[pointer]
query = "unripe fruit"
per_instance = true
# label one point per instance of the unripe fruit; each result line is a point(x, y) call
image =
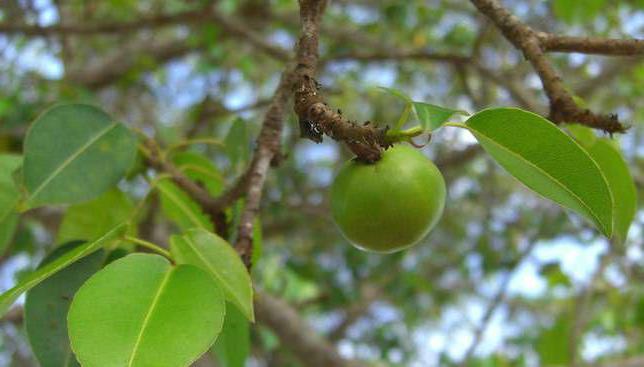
point(388, 205)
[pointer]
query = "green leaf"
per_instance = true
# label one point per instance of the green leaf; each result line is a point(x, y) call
point(200, 169)
point(577, 11)
point(621, 184)
point(397, 93)
point(36, 277)
point(549, 346)
point(47, 304)
point(236, 143)
point(233, 345)
point(9, 197)
point(546, 160)
point(87, 221)
point(74, 153)
point(213, 254)
point(142, 311)
point(180, 208)
point(431, 116)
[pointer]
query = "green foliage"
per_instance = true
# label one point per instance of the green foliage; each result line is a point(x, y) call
point(236, 143)
point(87, 221)
point(577, 11)
point(432, 117)
point(180, 208)
point(552, 345)
point(142, 311)
point(74, 153)
point(546, 160)
point(61, 262)
point(216, 256)
point(233, 345)
point(9, 197)
point(47, 304)
point(201, 170)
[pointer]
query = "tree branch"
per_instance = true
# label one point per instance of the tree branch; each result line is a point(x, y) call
point(562, 106)
point(298, 336)
point(591, 45)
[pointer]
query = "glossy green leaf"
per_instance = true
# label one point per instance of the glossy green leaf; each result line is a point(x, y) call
point(213, 254)
point(74, 153)
point(180, 208)
point(431, 116)
point(87, 221)
point(621, 184)
point(236, 143)
point(233, 345)
point(546, 160)
point(36, 277)
point(397, 93)
point(200, 169)
point(47, 304)
point(142, 311)
point(9, 197)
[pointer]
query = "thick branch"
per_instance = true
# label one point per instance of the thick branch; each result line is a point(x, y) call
point(298, 336)
point(562, 106)
point(268, 147)
point(316, 117)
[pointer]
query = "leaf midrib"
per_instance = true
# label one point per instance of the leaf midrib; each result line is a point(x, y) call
point(559, 183)
point(72, 157)
point(148, 315)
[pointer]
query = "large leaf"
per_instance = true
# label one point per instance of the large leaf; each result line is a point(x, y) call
point(180, 208)
point(233, 345)
point(213, 254)
point(9, 197)
point(47, 304)
point(34, 278)
point(546, 160)
point(200, 169)
point(621, 184)
point(142, 311)
point(89, 220)
point(74, 153)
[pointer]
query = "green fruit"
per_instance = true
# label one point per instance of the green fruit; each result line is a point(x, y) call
point(388, 205)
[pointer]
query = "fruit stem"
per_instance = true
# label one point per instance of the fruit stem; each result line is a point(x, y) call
point(394, 136)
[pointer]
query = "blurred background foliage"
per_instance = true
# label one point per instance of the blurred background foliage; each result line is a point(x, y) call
point(506, 279)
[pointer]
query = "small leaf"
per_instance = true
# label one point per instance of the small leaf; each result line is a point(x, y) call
point(549, 346)
point(47, 304)
point(546, 160)
point(89, 220)
point(34, 278)
point(200, 169)
point(236, 143)
point(74, 153)
point(180, 208)
point(141, 311)
point(9, 197)
point(213, 254)
point(233, 345)
point(397, 93)
point(431, 116)
point(621, 184)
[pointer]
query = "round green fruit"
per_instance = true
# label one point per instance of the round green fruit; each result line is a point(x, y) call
point(388, 205)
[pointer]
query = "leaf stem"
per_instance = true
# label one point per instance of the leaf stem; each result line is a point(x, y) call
point(404, 116)
point(148, 245)
point(185, 143)
point(456, 124)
